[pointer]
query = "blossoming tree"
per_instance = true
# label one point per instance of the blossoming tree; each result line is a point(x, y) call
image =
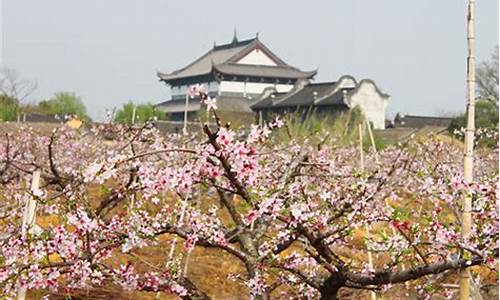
point(294, 215)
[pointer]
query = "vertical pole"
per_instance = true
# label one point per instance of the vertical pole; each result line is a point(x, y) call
point(112, 120)
point(374, 147)
point(361, 154)
point(208, 116)
point(372, 140)
point(261, 121)
point(469, 144)
point(29, 220)
point(134, 109)
point(373, 296)
point(184, 130)
point(181, 218)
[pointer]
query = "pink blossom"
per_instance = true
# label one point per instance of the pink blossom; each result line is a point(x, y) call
point(211, 103)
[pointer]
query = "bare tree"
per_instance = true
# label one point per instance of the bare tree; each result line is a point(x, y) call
point(15, 87)
point(487, 78)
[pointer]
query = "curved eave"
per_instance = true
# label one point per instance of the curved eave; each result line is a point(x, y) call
point(369, 81)
point(168, 78)
point(300, 75)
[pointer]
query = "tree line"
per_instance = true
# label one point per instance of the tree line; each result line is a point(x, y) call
point(15, 91)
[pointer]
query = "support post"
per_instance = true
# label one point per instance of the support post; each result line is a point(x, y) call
point(373, 296)
point(29, 220)
point(361, 153)
point(184, 129)
point(184, 205)
point(468, 144)
point(372, 140)
point(134, 109)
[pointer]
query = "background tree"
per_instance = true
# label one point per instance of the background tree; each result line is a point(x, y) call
point(15, 87)
point(8, 108)
point(486, 119)
point(486, 116)
point(13, 91)
point(63, 103)
point(143, 112)
point(487, 78)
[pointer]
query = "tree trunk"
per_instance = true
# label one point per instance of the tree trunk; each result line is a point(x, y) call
point(330, 288)
point(329, 293)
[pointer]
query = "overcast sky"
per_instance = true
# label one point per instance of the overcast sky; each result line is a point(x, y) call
point(108, 51)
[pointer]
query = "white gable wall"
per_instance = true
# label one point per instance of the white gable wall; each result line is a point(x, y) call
point(371, 103)
point(346, 82)
point(257, 57)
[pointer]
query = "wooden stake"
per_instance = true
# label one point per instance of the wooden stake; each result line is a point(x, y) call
point(469, 144)
point(361, 153)
point(372, 140)
point(29, 219)
point(181, 218)
point(373, 296)
point(134, 109)
point(184, 130)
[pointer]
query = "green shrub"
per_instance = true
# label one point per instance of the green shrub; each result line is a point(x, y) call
point(341, 129)
point(486, 118)
point(143, 112)
point(8, 109)
point(62, 103)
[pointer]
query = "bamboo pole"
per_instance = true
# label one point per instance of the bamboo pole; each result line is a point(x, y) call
point(374, 147)
point(372, 140)
point(134, 109)
point(184, 129)
point(29, 220)
point(373, 296)
point(361, 153)
point(181, 219)
point(469, 144)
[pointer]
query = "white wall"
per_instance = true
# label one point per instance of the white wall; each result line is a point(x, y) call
point(257, 57)
point(283, 88)
point(346, 82)
point(232, 86)
point(251, 87)
point(212, 86)
point(371, 103)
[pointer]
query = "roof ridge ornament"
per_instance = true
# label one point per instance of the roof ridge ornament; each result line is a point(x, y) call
point(235, 37)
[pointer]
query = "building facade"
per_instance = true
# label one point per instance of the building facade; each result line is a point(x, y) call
point(327, 99)
point(235, 73)
point(247, 77)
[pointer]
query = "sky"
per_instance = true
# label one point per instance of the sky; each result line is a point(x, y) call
point(108, 51)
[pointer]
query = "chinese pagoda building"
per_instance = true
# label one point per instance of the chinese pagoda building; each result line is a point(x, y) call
point(236, 74)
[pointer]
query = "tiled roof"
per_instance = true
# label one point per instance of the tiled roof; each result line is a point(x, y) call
point(410, 121)
point(302, 96)
point(203, 65)
point(223, 58)
point(286, 72)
